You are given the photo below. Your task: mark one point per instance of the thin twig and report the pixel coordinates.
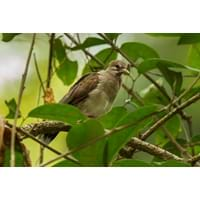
(98, 61)
(22, 86)
(49, 74)
(38, 73)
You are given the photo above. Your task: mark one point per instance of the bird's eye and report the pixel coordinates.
(117, 66)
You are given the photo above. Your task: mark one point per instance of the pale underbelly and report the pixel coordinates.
(96, 105)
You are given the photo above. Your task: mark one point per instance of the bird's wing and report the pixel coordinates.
(81, 89)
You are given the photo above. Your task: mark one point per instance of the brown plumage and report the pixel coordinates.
(80, 90)
(95, 92)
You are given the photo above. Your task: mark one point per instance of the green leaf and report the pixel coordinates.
(93, 155)
(131, 163)
(67, 69)
(59, 50)
(151, 95)
(66, 163)
(8, 36)
(196, 138)
(106, 56)
(137, 119)
(135, 50)
(173, 125)
(156, 63)
(165, 34)
(189, 38)
(110, 119)
(192, 92)
(89, 42)
(12, 105)
(174, 79)
(194, 57)
(112, 36)
(171, 163)
(196, 142)
(61, 112)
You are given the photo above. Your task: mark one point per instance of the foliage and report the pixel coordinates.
(12, 105)
(101, 141)
(67, 69)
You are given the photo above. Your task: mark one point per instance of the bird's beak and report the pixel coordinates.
(126, 71)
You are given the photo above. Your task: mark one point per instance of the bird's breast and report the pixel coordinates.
(101, 98)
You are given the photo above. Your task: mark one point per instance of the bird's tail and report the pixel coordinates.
(48, 137)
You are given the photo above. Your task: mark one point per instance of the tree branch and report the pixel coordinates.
(42, 127)
(49, 73)
(154, 150)
(22, 86)
(162, 120)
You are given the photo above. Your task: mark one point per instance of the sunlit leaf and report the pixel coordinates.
(60, 112)
(135, 50)
(93, 155)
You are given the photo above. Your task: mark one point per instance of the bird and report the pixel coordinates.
(95, 92)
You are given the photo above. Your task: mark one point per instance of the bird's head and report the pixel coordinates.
(118, 67)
